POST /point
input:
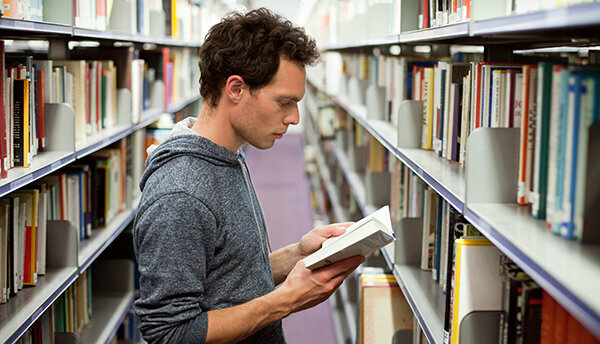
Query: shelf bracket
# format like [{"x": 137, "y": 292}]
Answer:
[
  {"x": 497, "y": 53},
  {"x": 58, "y": 49}
]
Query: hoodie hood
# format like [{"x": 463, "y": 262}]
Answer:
[{"x": 183, "y": 141}]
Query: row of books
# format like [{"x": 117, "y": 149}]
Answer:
[
  {"x": 68, "y": 316},
  {"x": 71, "y": 312},
  {"x": 555, "y": 107},
  {"x": 434, "y": 13},
  {"x": 157, "y": 18},
  {"x": 89, "y": 194},
  {"x": 91, "y": 87},
  {"x": 452, "y": 249},
  {"x": 522, "y": 6}
]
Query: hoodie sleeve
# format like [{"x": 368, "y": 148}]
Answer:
[{"x": 172, "y": 237}]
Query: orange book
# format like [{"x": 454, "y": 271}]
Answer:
[
  {"x": 12, "y": 9},
  {"x": 546, "y": 330},
  {"x": 573, "y": 330},
  {"x": 561, "y": 319}
]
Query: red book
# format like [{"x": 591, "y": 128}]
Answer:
[
  {"x": 561, "y": 320},
  {"x": 88, "y": 102},
  {"x": 546, "y": 330},
  {"x": 573, "y": 331},
  {"x": 165, "y": 63},
  {"x": 99, "y": 96},
  {"x": 41, "y": 127},
  {"x": 3, "y": 138},
  {"x": 425, "y": 14}
]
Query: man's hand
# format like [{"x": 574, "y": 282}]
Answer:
[
  {"x": 306, "y": 288},
  {"x": 312, "y": 240},
  {"x": 284, "y": 259}
]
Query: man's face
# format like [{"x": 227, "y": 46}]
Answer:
[{"x": 265, "y": 114}]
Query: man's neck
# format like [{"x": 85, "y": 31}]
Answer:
[{"x": 214, "y": 125}]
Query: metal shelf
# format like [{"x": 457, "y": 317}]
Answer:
[
  {"x": 21, "y": 311},
  {"x": 91, "y": 248},
  {"x": 41, "y": 165},
  {"x": 559, "y": 18},
  {"x": 109, "y": 311},
  {"x": 39, "y": 28},
  {"x": 371, "y": 42},
  {"x": 566, "y": 269},
  {"x": 445, "y": 177},
  {"x": 450, "y": 31},
  {"x": 101, "y": 140},
  {"x": 356, "y": 183},
  {"x": 128, "y": 37}
]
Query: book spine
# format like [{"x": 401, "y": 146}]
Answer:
[
  {"x": 20, "y": 107},
  {"x": 3, "y": 117}
]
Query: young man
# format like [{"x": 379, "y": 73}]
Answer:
[{"x": 206, "y": 274}]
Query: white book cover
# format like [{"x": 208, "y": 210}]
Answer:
[
  {"x": 21, "y": 240},
  {"x": 558, "y": 77},
  {"x": 42, "y": 230},
  {"x": 76, "y": 91},
  {"x": 428, "y": 217},
  {"x": 518, "y": 110},
  {"x": 4, "y": 217},
  {"x": 465, "y": 118},
  {"x": 361, "y": 238},
  {"x": 478, "y": 285}
]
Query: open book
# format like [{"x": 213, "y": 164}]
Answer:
[{"x": 361, "y": 238}]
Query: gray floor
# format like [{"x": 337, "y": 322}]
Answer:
[{"x": 284, "y": 192}]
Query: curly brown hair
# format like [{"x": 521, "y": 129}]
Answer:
[{"x": 249, "y": 45}]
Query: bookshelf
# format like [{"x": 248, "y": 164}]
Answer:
[
  {"x": 17, "y": 26},
  {"x": 566, "y": 269},
  {"x": 68, "y": 257}
]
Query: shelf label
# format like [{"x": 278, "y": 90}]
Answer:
[
  {"x": 26, "y": 25},
  {"x": 56, "y": 165},
  {"x": 22, "y": 181}
]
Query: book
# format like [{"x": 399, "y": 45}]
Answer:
[
  {"x": 383, "y": 308},
  {"x": 477, "y": 283},
  {"x": 361, "y": 238}
]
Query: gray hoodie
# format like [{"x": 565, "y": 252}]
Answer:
[{"x": 200, "y": 239}]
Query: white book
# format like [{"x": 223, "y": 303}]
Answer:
[
  {"x": 465, "y": 119},
  {"x": 42, "y": 230},
  {"x": 361, "y": 238},
  {"x": 428, "y": 217},
  {"x": 21, "y": 240},
  {"x": 4, "y": 217}
]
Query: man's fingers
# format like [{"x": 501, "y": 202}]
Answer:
[
  {"x": 342, "y": 267},
  {"x": 333, "y": 229}
]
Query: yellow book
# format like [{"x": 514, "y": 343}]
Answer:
[
  {"x": 70, "y": 310},
  {"x": 427, "y": 135},
  {"x": 376, "y": 156}
]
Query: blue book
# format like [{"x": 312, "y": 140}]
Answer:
[
  {"x": 575, "y": 86},
  {"x": 560, "y": 157}
]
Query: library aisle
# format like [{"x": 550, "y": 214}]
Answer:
[{"x": 284, "y": 192}]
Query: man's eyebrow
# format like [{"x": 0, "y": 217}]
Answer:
[{"x": 296, "y": 99}]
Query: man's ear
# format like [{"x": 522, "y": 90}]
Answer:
[{"x": 234, "y": 88}]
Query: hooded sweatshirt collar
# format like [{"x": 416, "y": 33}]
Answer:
[{"x": 183, "y": 141}]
